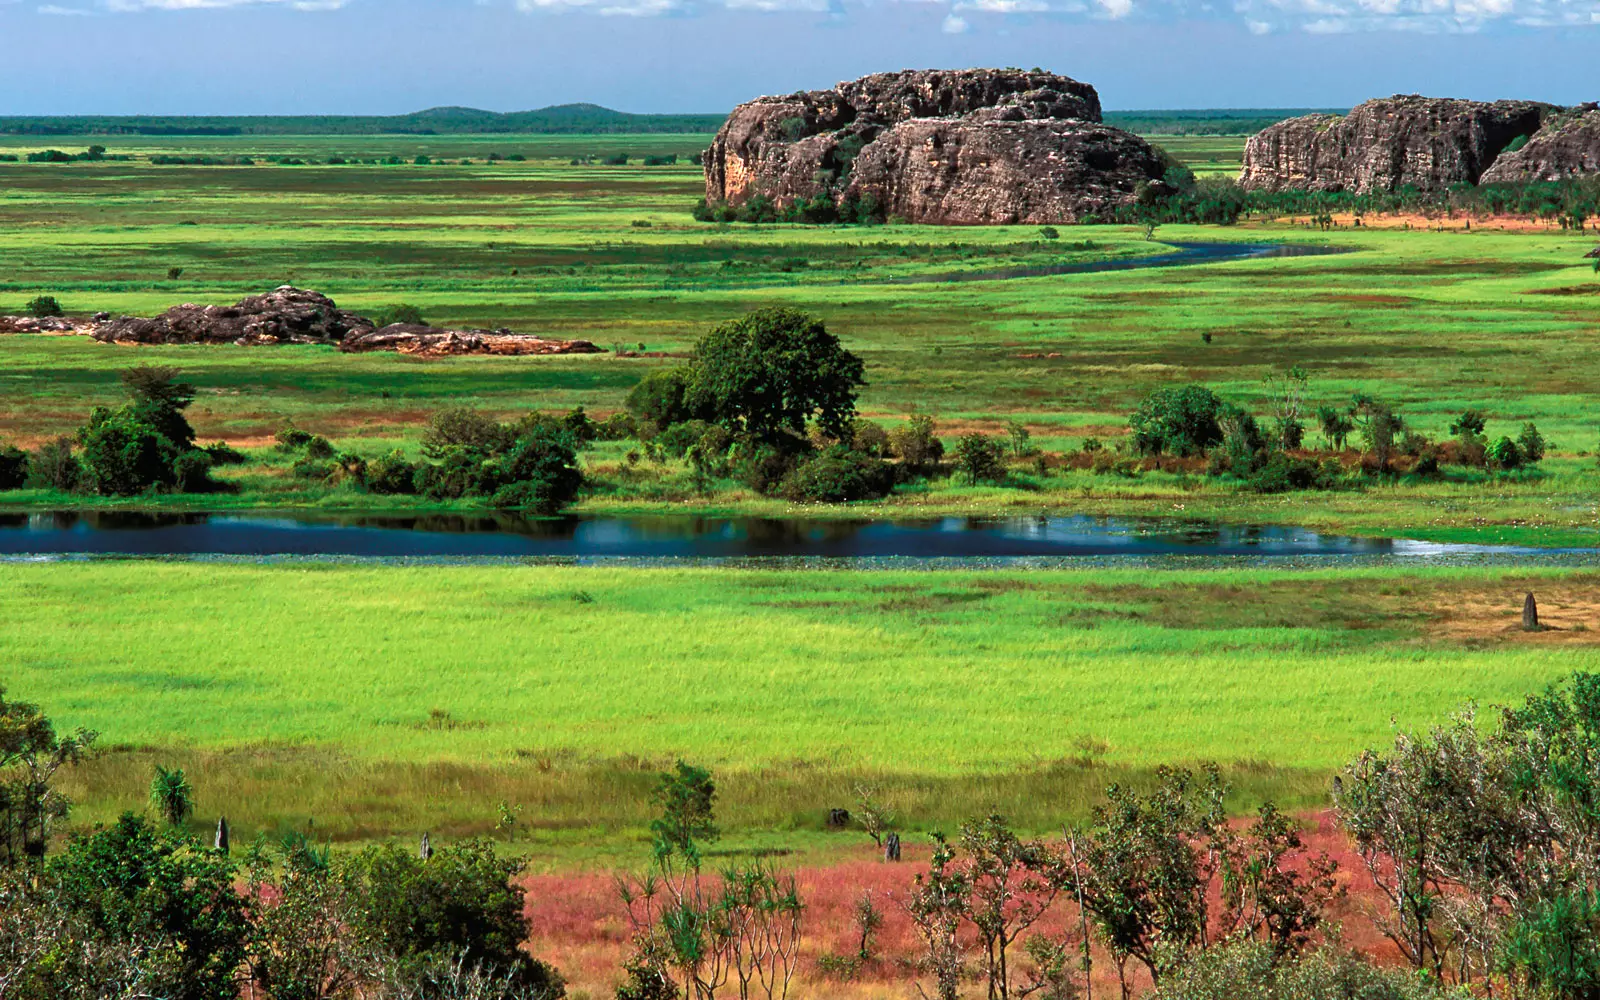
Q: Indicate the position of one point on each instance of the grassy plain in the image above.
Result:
(381, 699)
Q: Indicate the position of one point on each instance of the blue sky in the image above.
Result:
(390, 56)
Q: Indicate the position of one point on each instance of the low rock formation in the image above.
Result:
(1567, 146)
(286, 315)
(434, 342)
(1386, 144)
(45, 324)
(961, 147)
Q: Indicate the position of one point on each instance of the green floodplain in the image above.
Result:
(378, 700)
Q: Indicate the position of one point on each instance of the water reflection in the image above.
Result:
(148, 533)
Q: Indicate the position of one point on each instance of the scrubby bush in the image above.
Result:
(532, 463)
(124, 456)
(392, 474)
(54, 467)
(618, 427)
(160, 892)
(43, 306)
(291, 438)
(319, 448)
(870, 439)
(191, 471)
(659, 401)
(917, 445)
(839, 475)
(223, 453)
(1504, 455)
(1181, 421)
(1531, 443)
(401, 313)
(1282, 473)
(981, 458)
(458, 907)
(13, 468)
(677, 439)
(1248, 970)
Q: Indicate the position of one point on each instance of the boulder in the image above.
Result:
(1567, 146)
(45, 324)
(433, 342)
(286, 315)
(808, 145)
(1383, 145)
(1003, 172)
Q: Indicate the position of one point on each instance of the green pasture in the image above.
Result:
(377, 699)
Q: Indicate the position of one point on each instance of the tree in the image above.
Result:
(1012, 884)
(1265, 893)
(1336, 425)
(659, 400)
(686, 796)
(876, 818)
(1381, 426)
(130, 883)
(1288, 392)
(980, 458)
(147, 443)
(917, 444)
(770, 372)
(1181, 421)
(299, 910)
(936, 906)
(1531, 443)
(172, 795)
(43, 306)
(31, 752)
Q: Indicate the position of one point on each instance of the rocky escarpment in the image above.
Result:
(998, 172)
(285, 315)
(1387, 144)
(934, 146)
(1567, 146)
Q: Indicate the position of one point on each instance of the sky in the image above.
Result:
(394, 56)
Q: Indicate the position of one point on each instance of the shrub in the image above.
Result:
(55, 467)
(191, 471)
(916, 444)
(460, 905)
(870, 439)
(540, 471)
(839, 475)
(1553, 948)
(1049, 232)
(133, 885)
(319, 447)
(679, 438)
(13, 468)
(1182, 421)
(223, 453)
(762, 465)
(43, 306)
(659, 400)
(291, 437)
(617, 427)
(392, 474)
(463, 428)
(1469, 424)
(123, 455)
(314, 469)
(981, 458)
(577, 423)
(1531, 443)
(1244, 969)
(1504, 454)
(1284, 474)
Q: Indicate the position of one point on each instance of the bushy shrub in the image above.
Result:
(839, 475)
(1504, 455)
(291, 438)
(459, 906)
(124, 456)
(43, 306)
(319, 448)
(1282, 473)
(1531, 443)
(135, 885)
(392, 474)
(402, 313)
(1554, 949)
(191, 471)
(540, 472)
(13, 468)
(981, 458)
(1181, 421)
(870, 439)
(619, 426)
(677, 439)
(763, 465)
(1246, 969)
(223, 453)
(917, 445)
(659, 400)
(54, 467)
(314, 469)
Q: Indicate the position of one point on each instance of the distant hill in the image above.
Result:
(560, 119)
(1207, 121)
(563, 119)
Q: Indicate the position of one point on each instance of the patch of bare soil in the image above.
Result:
(1568, 615)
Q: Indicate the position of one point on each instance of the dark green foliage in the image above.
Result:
(54, 467)
(917, 445)
(1181, 421)
(686, 796)
(981, 458)
(401, 313)
(460, 904)
(291, 438)
(392, 474)
(31, 752)
(223, 453)
(1531, 443)
(14, 463)
(677, 439)
(191, 471)
(43, 306)
(1469, 424)
(172, 795)
(529, 464)
(1282, 473)
(1248, 970)
(131, 883)
(319, 448)
(770, 372)
(840, 475)
(463, 429)
(539, 471)
(123, 456)
(660, 400)
(870, 439)
(645, 981)
(1049, 233)
(577, 423)
(1336, 425)
(1554, 948)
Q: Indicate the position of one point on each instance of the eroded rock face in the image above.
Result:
(1002, 172)
(1384, 145)
(808, 145)
(285, 315)
(432, 341)
(1567, 146)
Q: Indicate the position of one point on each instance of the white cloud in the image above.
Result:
(955, 25)
(135, 6)
(55, 11)
(1116, 9)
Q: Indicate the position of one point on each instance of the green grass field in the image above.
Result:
(381, 699)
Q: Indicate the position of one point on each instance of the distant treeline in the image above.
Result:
(1207, 121)
(566, 119)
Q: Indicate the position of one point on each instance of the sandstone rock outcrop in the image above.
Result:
(45, 324)
(1567, 146)
(286, 315)
(1003, 172)
(935, 146)
(434, 342)
(1386, 144)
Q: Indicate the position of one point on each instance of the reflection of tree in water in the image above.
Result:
(129, 520)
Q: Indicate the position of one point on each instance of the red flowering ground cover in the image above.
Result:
(579, 922)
